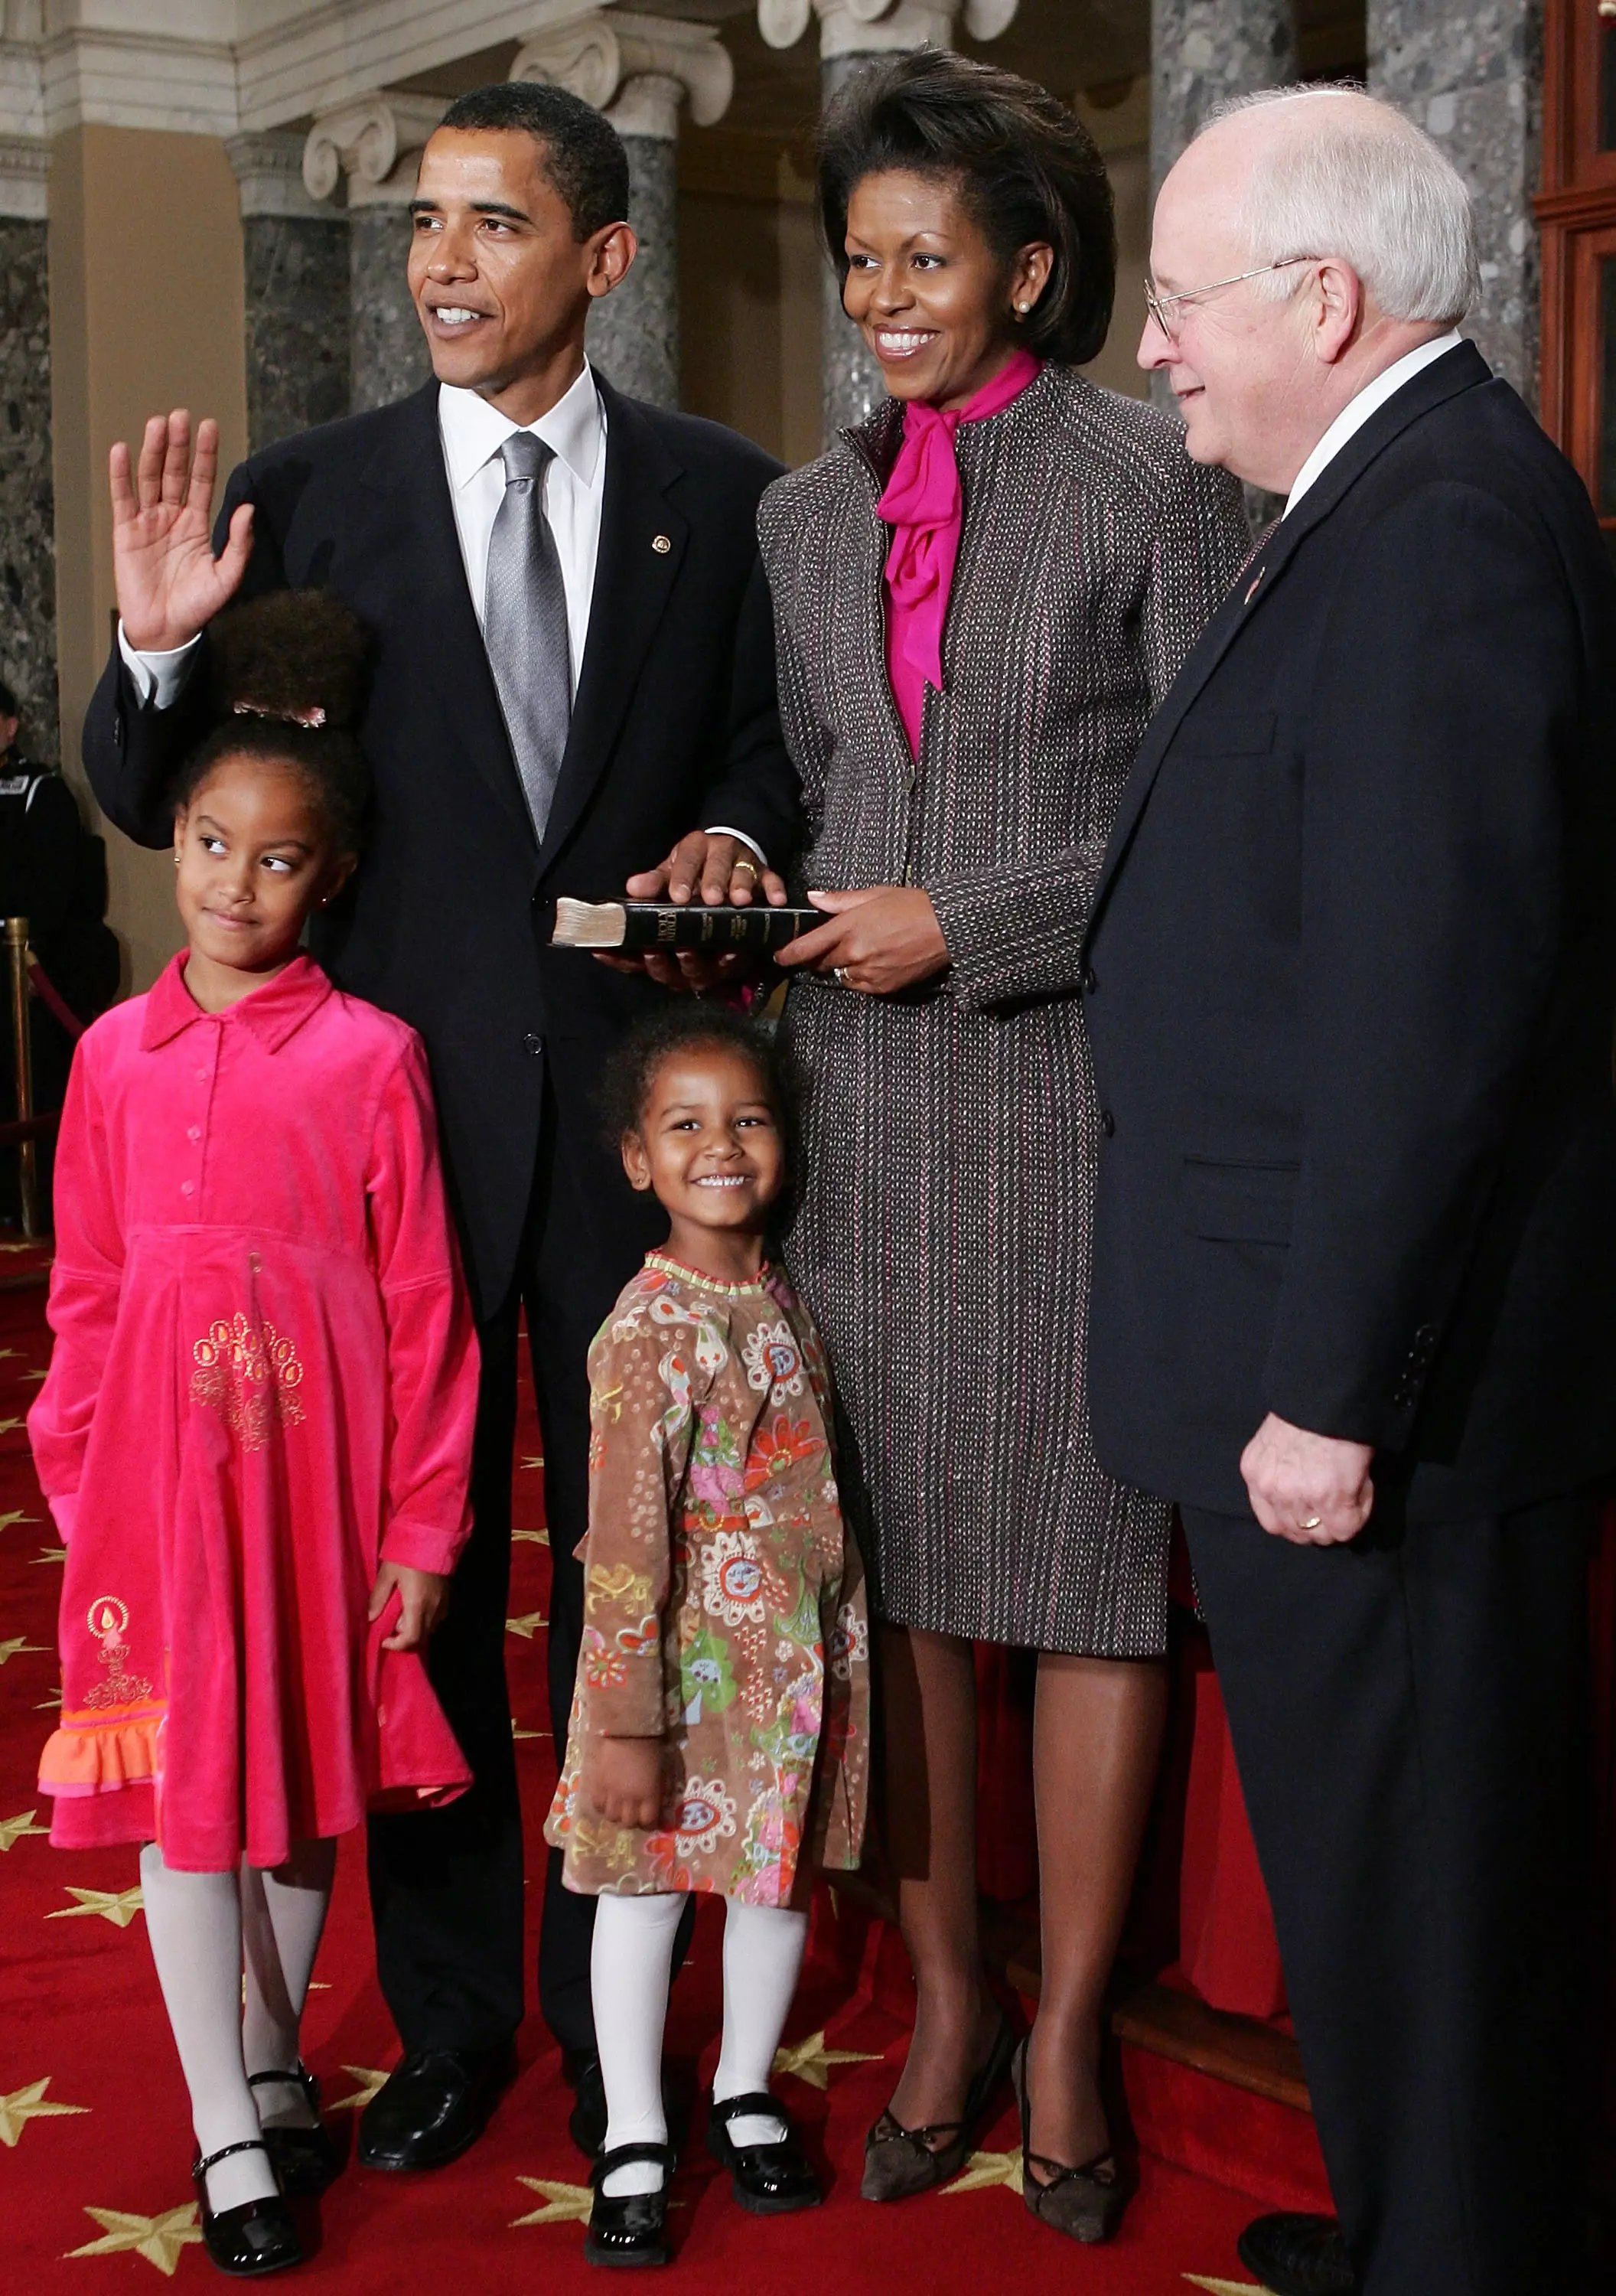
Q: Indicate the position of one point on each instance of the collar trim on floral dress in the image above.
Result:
(668, 1265)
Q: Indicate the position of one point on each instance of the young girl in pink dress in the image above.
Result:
(256, 1432)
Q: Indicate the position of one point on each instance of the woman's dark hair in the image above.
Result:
(582, 152)
(680, 1026)
(273, 662)
(1026, 171)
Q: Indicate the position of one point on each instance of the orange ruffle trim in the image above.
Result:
(98, 1758)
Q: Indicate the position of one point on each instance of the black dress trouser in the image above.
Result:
(446, 1885)
(1409, 1718)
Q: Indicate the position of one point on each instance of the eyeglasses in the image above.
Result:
(1159, 304)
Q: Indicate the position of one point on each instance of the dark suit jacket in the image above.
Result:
(447, 922)
(1351, 989)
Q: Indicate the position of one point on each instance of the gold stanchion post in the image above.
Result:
(22, 1054)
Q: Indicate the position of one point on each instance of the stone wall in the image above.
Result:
(27, 548)
(297, 326)
(388, 349)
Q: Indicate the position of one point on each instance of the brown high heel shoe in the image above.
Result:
(1086, 2204)
(899, 2161)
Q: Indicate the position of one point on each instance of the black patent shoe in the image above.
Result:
(304, 2161)
(1298, 2255)
(433, 2106)
(629, 2228)
(257, 2237)
(771, 2180)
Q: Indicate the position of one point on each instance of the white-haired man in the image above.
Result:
(1350, 994)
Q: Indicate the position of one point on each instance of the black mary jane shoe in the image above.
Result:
(773, 2179)
(259, 2236)
(626, 2229)
(306, 2161)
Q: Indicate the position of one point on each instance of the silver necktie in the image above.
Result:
(525, 625)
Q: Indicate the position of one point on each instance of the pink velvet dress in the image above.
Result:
(265, 1378)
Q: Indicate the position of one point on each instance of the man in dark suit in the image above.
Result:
(573, 664)
(1350, 996)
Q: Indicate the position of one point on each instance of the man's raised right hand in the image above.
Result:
(170, 586)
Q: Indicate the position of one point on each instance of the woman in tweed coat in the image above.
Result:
(952, 1130)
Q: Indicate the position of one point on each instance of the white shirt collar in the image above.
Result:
(1356, 411)
(473, 432)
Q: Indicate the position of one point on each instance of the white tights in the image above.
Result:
(629, 1968)
(204, 1928)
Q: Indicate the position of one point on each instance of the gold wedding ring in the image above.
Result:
(749, 866)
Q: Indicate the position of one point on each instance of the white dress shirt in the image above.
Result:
(1356, 411)
(472, 432)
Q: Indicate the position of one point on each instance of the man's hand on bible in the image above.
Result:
(170, 586)
(708, 866)
(1313, 1489)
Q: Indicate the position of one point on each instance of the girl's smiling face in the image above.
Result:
(709, 1147)
(255, 854)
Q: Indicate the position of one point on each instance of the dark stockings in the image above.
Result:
(1097, 1734)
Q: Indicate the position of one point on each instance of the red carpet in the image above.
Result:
(92, 2106)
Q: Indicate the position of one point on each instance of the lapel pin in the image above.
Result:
(661, 545)
(1256, 586)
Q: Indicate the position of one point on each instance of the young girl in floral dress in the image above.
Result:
(256, 1429)
(719, 1730)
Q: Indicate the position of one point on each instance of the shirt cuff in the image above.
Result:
(422, 1546)
(160, 675)
(723, 829)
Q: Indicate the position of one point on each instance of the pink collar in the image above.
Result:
(924, 505)
(273, 1013)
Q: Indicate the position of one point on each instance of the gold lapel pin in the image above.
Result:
(661, 545)
(1256, 586)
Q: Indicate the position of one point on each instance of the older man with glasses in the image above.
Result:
(1350, 999)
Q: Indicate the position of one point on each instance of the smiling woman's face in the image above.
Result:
(931, 299)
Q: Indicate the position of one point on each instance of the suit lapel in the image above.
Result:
(643, 540)
(1461, 369)
(417, 516)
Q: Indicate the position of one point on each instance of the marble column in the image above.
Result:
(640, 70)
(1202, 51)
(1473, 78)
(375, 144)
(27, 514)
(294, 260)
(854, 34)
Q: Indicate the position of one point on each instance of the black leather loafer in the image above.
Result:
(1295, 2255)
(434, 2106)
(257, 2237)
(306, 2161)
(771, 2180)
(629, 2228)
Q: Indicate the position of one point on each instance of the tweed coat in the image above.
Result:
(951, 1133)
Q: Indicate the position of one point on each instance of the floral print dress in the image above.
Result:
(723, 1597)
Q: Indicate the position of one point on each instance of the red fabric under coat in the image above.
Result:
(265, 1378)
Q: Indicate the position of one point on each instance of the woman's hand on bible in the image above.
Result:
(625, 1779)
(423, 1597)
(880, 938)
(170, 584)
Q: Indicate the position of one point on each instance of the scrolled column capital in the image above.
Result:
(371, 141)
(25, 171)
(881, 27)
(637, 69)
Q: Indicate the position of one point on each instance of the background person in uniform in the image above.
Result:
(574, 664)
(1355, 1256)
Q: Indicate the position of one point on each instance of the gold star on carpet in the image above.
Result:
(8, 1426)
(563, 2203)
(525, 1624)
(13, 1829)
(370, 2082)
(43, 1705)
(985, 2168)
(5, 1352)
(50, 1554)
(519, 1734)
(538, 1460)
(16, 1646)
(35, 1374)
(26, 2104)
(6, 1521)
(158, 2239)
(1226, 2287)
(119, 1907)
(811, 2061)
(535, 1538)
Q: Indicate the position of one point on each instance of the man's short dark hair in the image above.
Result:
(1025, 168)
(582, 152)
